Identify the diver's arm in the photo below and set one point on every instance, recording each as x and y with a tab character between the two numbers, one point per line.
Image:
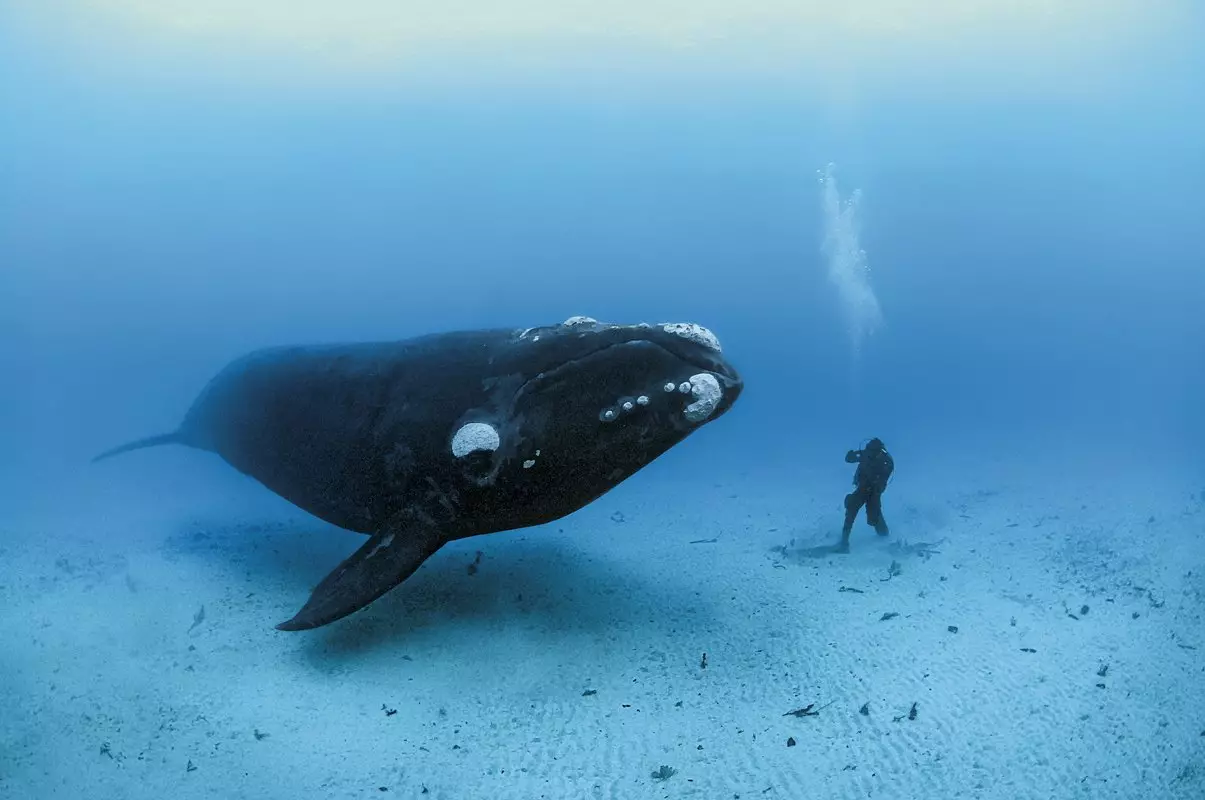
853	456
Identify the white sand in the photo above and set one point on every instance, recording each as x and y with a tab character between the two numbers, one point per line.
109	694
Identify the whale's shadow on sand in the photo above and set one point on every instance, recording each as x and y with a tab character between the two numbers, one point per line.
536	578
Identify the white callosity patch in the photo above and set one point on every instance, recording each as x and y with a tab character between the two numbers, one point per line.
580	321
684	387
696	333
475	436
529	463
669	387
626	405
388	540
707	393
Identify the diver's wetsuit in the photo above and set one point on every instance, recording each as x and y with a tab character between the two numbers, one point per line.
875	466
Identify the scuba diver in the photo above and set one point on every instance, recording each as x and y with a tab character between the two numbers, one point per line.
875	466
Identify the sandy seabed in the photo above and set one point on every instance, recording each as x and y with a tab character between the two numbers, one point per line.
1018	636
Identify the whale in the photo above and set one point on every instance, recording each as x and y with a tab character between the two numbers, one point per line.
448	435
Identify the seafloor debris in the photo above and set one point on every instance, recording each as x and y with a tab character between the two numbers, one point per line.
197	618
1103	671
889	615
952	628
790	741
472	569
618	517
892	571
864	710
589	693
1083	612
703	662
260	735
1028	650
664	773
809	710
851	589
911	715
389	712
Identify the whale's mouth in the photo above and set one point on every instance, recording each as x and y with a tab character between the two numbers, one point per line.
581	358
710	383
694	348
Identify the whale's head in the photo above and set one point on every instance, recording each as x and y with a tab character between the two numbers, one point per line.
597	402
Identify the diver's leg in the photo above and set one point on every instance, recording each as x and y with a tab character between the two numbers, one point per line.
853	504
874	513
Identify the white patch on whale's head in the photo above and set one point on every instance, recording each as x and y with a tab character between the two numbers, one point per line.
474	436
707	393
572	321
693	332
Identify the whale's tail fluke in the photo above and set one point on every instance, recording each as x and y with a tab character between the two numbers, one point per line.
150	441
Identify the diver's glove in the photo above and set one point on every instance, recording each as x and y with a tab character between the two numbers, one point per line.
851	456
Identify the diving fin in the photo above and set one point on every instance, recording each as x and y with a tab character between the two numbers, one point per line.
388	557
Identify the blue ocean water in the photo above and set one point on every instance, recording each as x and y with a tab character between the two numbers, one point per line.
977	265
1034	260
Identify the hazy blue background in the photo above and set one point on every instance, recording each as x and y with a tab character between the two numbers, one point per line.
1034	242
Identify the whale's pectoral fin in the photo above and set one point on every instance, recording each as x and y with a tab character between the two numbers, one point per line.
388	557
